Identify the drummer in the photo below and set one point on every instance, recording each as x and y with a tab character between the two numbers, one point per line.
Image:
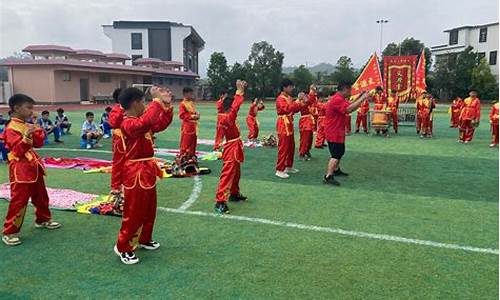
336	109
380	101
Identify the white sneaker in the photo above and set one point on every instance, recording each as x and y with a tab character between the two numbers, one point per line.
48	225
152	245
282	174
127	258
11	240
492	145
106	136
89	146
291	171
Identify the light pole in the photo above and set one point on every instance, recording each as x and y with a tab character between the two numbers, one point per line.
381	22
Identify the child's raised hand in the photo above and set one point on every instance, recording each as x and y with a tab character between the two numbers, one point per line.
155	91
165	95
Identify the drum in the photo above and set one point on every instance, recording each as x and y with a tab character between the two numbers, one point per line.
380	118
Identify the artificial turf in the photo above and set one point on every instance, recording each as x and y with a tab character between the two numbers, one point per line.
432	189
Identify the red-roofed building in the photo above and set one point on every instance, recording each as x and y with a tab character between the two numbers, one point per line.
59	74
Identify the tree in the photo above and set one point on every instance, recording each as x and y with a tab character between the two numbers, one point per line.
409	46
218	73
440	81
344	71
462	71
483	81
302	78
265	64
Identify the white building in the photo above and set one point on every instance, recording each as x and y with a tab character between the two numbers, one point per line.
164	40
483	38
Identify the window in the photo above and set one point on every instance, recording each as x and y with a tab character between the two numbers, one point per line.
481	55
493	58
103	77
66	76
136	39
453	37
134	57
483	34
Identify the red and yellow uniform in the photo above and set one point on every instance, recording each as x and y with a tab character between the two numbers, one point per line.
431	115
118	146
455	108
494	124
392	106
252	122
362	117
306	126
26	171
313	97
218	129
285	108
424	105
229	181
469	117
379	100
139	173
189	127
320	134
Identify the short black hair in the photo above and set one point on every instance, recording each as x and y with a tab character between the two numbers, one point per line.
116	94
129	95
45	112
343	84
108	109
227	103
187	90
89	114
60	110
379	88
20	99
286	82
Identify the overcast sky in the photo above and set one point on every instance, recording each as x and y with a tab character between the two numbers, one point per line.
308	32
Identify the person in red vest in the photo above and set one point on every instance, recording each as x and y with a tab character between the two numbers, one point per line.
220	111
232	155
306	125
469	117
424	107
252	122
362	117
313	97
336	109
392	106
286	107
320	132
189	127
26	171
455	108
140	169
494	125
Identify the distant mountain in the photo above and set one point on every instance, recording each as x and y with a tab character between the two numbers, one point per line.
321	67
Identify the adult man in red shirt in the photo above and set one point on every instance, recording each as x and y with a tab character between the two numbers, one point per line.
336	109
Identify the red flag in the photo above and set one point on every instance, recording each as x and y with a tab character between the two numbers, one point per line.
399	75
420	85
369	78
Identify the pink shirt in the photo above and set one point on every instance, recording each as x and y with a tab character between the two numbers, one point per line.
335	118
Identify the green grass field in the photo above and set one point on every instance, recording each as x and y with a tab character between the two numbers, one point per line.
434	190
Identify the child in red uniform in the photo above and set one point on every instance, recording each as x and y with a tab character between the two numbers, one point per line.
189	128
140	169
229	181
494	125
286	107
320	133
362	117
118	148
469	117
218	129
252	122
26	171
306	125
455	108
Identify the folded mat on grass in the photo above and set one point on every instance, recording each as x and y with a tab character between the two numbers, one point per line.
58	198
80	163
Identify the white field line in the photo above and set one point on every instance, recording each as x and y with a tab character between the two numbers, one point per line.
195	193
359	234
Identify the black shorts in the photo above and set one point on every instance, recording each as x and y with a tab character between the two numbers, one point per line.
337	150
